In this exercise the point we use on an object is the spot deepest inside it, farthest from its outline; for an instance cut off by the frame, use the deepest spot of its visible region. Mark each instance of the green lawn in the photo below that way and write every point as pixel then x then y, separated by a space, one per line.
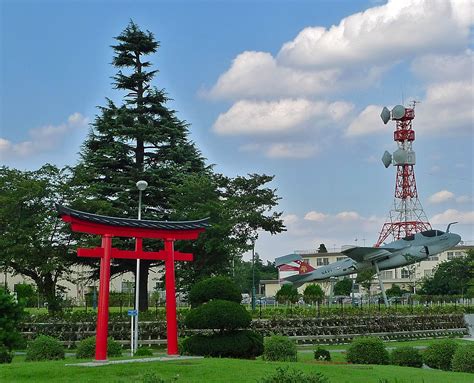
pixel 219 370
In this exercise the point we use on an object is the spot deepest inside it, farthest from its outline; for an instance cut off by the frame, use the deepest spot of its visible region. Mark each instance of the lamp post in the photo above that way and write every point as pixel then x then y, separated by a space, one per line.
pixel 141 185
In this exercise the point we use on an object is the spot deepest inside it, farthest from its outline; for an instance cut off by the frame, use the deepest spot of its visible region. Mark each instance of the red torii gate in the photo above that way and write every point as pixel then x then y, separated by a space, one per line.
pixel 109 227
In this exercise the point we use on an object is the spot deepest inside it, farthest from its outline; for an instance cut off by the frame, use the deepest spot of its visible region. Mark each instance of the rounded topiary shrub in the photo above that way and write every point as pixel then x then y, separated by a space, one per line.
pixel 44 348
pixel 406 356
pixel 214 288
pixel 322 354
pixel 238 344
pixel 218 314
pixel 279 348
pixel 143 351
pixel 86 348
pixel 463 359
pixel 439 355
pixel 367 350
pixel 5 355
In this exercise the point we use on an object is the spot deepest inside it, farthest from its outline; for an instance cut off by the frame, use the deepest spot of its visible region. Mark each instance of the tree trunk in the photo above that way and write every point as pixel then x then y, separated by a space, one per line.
pixel 143 285
pixel 47 287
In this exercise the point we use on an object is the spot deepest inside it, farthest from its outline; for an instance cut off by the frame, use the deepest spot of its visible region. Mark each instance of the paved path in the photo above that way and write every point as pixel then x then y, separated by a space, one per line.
pixel 135 360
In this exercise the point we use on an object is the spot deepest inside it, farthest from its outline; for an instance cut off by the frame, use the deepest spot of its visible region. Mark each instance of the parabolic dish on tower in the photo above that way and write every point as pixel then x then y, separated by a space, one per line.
pixel 398 112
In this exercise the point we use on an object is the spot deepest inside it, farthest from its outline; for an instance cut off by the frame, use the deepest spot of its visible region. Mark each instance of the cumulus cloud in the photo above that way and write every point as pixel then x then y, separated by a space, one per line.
pixel 453 215
pixel 283 116
pixel 367 122
pixel 348 216
pixel 42 139
pixel 464 199
pixel 433 67
pixel 315 216
pixel 441 196
pixel 382 34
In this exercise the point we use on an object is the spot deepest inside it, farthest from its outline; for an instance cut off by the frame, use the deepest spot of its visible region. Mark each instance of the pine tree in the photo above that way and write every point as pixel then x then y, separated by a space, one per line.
pixel 140 139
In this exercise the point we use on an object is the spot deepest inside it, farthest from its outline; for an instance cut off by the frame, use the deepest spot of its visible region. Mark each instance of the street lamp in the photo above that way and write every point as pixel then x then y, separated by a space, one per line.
pixel 253 274
pixel 141 186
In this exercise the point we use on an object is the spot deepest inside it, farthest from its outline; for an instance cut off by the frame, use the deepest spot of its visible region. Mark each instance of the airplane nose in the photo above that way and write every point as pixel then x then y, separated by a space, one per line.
pixel 455 239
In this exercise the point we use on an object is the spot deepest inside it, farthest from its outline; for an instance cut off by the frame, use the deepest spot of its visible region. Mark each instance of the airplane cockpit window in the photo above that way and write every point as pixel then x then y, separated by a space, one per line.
pixel 429 233
pixel 409 237
pixel 439 232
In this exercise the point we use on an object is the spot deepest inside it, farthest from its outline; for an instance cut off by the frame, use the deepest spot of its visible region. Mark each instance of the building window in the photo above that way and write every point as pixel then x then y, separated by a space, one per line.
pixel 340 258
pixel 306 260
pixel 405 274
pixel 386 274
pixel 433 258
pixel 127 287
pixel 458 253
pixel 450 255
pixel 322 261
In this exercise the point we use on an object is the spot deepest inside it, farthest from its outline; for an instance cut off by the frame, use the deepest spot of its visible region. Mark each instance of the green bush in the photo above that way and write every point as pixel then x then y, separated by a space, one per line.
pixel 238 344
pixel 367 350
pixel 439 355
pixel 285 375
pixel 44 348
pixel 144 351
pixel 218 314
pixel 406 356
pixel 11 315
pixel 322 354
pixel 287 294
pixel 279 348
pixel 463 359
pixel 86 348
pixel 214 288
pixel 5 355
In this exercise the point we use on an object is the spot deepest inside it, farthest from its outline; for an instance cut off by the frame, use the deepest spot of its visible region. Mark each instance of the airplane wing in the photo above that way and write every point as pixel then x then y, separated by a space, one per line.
pixel 368 254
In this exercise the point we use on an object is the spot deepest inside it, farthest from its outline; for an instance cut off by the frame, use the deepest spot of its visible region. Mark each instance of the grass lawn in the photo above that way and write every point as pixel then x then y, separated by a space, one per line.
pixel 219 370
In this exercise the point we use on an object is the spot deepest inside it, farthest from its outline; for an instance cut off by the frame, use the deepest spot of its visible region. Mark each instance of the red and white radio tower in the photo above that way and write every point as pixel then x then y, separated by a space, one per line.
pixel 407 216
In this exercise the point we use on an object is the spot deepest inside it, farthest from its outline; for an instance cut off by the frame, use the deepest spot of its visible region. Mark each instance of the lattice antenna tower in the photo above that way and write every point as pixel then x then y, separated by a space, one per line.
pixel 407 215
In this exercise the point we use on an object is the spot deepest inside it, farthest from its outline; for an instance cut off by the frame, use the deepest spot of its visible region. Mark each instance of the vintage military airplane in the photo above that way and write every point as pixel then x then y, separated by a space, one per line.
pixel 411 249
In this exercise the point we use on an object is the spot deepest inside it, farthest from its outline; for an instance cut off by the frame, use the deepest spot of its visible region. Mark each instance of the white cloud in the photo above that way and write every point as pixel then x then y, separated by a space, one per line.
pixel 348 216
pixel 290 150
pixel 290 219
pixel 42 139
pixel 283 116
pixel 441 196
pixel 382 34
pixel 367 122
pixel 315 216
pixel 464 199
pixel 446 67
pixel 453 215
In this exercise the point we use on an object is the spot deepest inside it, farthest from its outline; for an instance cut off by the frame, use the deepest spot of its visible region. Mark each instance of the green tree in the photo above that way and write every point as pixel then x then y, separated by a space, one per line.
pixel 287 294
pixel 454 277
pixel 365 278
pixel 11 315
pixel 395 291
pixel 343 287
pixel 322 248
pixel 26 294
pixel 313 293
pixel 34 242
pixel 144 139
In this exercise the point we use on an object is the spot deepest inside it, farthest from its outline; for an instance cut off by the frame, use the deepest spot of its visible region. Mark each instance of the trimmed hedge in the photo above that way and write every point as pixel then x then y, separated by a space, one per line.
pixel 367 350
pixel 239 344
pixel 322 354
pixel 214 288
pixel 5 355
pixel 218 314
pixel 44 348
pixel 279 348
pixel 86 348
pixel 463 359
pixel 439 355
pixel 143 351
pixel 285 375
pixel 406 356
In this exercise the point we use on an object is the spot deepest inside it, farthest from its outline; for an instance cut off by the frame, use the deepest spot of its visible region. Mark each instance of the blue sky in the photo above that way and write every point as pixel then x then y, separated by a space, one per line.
pixel 290 88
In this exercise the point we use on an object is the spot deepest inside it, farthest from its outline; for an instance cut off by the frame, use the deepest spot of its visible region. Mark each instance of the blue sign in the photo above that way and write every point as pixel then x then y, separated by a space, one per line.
pixel 132 313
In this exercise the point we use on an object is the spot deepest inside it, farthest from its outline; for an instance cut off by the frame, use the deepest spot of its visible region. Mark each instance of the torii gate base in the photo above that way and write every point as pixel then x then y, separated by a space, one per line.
pixel 108 227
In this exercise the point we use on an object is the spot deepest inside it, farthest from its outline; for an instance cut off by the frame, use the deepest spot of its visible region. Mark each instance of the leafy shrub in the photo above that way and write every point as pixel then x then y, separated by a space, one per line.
pixel 367 350
pixel 218 314
pixel 313 293
pixel 322 354
pixel 238 344
pixel 279 348
pixel 5 355
pixel 287 294
pixel 12 314
pixel 463 359
pixel 86 348
pixel 44 348
pixel 214 288
pixel 144 351
pixel 406 356
pixel 285 375
pixel 439 355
